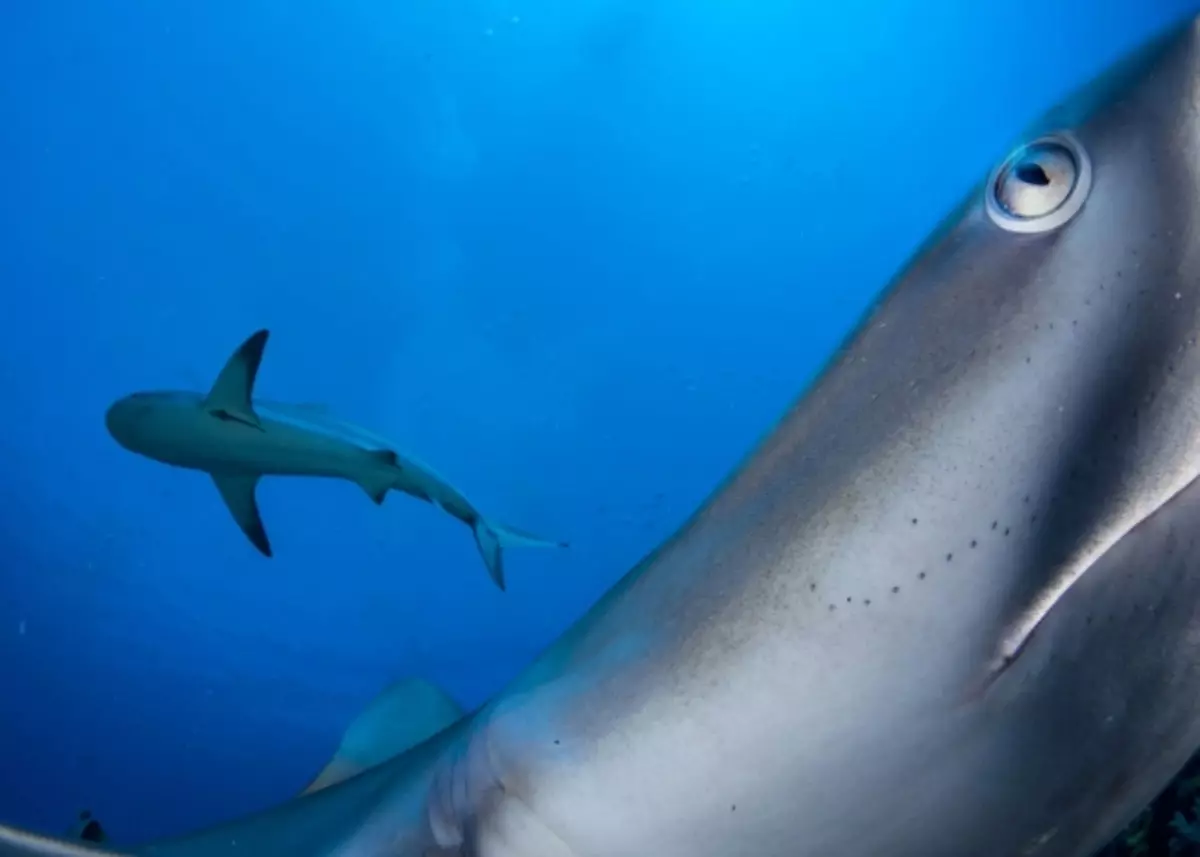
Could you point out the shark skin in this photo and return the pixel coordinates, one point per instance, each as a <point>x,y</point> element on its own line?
<point>238,439</point>
<point>949,605</point>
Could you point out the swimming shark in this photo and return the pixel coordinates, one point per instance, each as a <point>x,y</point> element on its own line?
<point>949,605</point>
<point>238,439</point>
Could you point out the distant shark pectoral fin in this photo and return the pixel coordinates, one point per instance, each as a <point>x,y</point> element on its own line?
<point>238,492</point>
<point>492,538</point>
<point>231,395</point>
<point>381,476</point>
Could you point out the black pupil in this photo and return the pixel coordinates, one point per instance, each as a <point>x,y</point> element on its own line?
<point>1032,174</point>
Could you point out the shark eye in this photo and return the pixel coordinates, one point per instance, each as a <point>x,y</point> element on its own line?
<point>1040,186</point>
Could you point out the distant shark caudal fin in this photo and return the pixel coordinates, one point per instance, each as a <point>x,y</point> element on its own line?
<point>379,480</point>
<point>230,396</point>
<point>492,538</point>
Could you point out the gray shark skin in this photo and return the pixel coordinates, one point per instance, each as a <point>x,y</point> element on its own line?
<point>238,439</point>
<point>949,606</point>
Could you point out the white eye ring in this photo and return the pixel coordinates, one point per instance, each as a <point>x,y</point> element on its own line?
<point>1040,186</point>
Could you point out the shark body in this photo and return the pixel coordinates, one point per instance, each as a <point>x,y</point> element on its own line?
<point>950,605</point>
<point>238,439</point>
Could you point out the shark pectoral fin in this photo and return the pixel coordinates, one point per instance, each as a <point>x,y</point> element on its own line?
<point>380,477</point>
<point>489,548</point>
<point>238,491</point>
<point>230,396</point>
<point>402,716</point>
<point>492,537</point>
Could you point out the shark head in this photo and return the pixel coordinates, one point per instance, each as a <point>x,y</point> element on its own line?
<point>1028,387</point>
<point>144,422</point>
<point>958,584</point>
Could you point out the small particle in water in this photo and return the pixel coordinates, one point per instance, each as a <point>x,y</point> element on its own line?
<point>21,628</point>
<point>516,19</point>
<point>489,32</point>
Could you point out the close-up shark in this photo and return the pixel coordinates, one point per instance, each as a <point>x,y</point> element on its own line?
<point>238,439</point>
<point>950,604</point>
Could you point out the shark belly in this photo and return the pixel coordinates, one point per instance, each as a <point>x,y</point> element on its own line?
<point>786,732</point>
<point>684,745</point>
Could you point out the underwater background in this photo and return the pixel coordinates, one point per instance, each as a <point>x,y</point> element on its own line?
<point>579,256</point>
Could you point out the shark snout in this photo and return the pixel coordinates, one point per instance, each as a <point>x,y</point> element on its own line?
<point>125,420</point>
<point>117,421</point>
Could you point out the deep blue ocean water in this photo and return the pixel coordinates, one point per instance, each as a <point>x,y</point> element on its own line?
<point>578,256</point>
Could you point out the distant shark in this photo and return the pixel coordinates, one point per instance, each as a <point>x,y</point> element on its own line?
<point>237,440</point>
<point>87,829</point>
<point>949,606</point>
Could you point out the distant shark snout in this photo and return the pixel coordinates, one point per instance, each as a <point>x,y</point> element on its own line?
<point>122,419</point>
<point>143,422</point>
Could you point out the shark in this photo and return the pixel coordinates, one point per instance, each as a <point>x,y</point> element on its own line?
<point>87,828</point>
<point>948,604</point>
<point>237,439</point>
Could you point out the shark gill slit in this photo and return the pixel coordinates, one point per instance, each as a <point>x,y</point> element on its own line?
<point>1015,640</point>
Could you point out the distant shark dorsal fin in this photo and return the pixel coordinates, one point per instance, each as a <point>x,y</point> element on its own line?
<point>87,829</point>
<point>238,490</point>
<point>232,392</point>
<point>15,842</point>
<point>403,715</point>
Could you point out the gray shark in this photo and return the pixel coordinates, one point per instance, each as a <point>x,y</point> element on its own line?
<point>238,439</point>
<point>950,605</point>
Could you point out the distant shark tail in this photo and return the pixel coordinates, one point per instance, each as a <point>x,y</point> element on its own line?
<point>492,538</point>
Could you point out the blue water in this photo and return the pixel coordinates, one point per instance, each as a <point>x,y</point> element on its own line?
<point>578,256</point>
